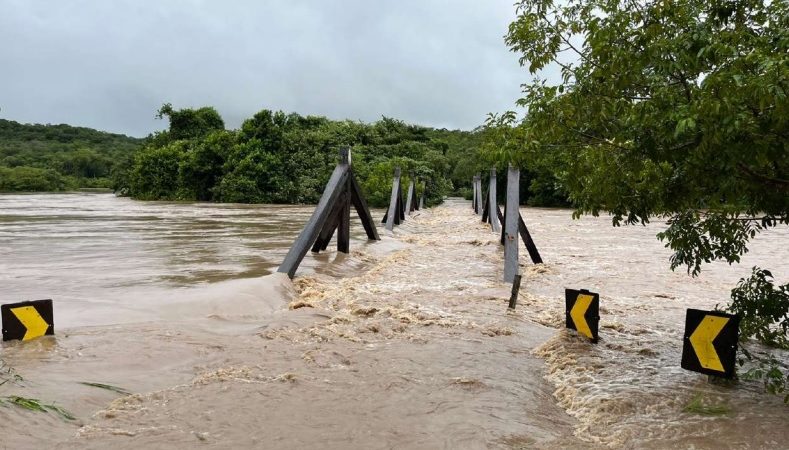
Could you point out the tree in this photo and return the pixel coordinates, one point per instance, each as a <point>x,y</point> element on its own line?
<point>670,108</point>
<point>190,123</point>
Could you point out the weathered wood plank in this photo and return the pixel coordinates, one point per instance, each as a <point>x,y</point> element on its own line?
<point>361,208</point>
<point>534,254</point>
<point>474,193</point>
<point>492,202</point>
<point>516,287</point>
<point>313,227</point>
<point>501,219</point>
<point>511,225</point>
<point>344,224</point>
<point>393,210</point>
<point>409,202</point>
<point>327,231</point>
<point>485,209</point>
<point>400,205</point>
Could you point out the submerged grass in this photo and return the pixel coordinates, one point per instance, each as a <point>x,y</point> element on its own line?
<point>108,387</point>
<point>33,404</point>
<point>697,405</point>
<point>8,375</point>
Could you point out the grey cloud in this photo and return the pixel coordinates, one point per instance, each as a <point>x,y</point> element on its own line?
<point>111,64</point>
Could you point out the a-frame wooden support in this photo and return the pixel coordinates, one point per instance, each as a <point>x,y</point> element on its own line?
<point>534,254</point>
<point>332,214</point>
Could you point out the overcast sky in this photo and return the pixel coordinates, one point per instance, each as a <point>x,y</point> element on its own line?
<point>110,64</point>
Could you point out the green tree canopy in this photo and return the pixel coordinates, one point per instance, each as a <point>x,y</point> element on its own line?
<point>664,108</point>
<point>684,102</point>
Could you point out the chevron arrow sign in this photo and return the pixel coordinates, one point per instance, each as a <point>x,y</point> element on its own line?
<point>582,312</point>
<point>27,320</point>
<point>710,343</point>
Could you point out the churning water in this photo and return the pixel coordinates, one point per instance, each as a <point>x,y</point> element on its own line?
<point>404,343</point>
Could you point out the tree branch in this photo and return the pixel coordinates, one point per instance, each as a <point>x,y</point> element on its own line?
<point>777,182</point>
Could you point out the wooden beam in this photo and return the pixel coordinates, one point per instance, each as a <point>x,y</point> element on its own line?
<point>511,225</point>
<point>400,205</point>
<point>392,211</point>
<point>534,254</point>
<point>492,202</point>
<point>327,231</point>
<point>501,219</point>
<point>475,195</point>
<point>409,199</point>
<point>415,206</point>
<point>344,224</point>
<point>516,286</point>
<point>313,227</point>
<point>479,195</point>
<point>485,209</point>
<point>361,208</point>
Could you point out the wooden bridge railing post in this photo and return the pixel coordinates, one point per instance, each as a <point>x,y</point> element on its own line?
<point>313,227</point>
<point>332,213</point>
<point>480,195</point>
<point>409,201</point>
<point>394,201</point>
<point>511,225</point>
<point>474,193</point>
<point>492,202</point>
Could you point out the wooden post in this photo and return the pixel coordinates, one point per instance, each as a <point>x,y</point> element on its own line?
<point>485,209</point>
<point>480,195</point>
<point>527,240</point>
<point>400,205</point>
<point>332,213</point>
<point>329,227</point>
<point>318,219</point>
<point>344,225</point>
<point>394,201</point>
<point>516,286</point>
<point>474,194</point>
<point>361,208</point>
<point>492,202</point>
<point>501,220</point>
<point>415,205</point>
<point>409,201</point>
<point>511,216</point>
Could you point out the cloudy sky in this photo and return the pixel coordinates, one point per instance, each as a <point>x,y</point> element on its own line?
<point>111,64</point>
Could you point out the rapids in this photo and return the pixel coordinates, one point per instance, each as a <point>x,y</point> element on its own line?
<point>404,343</point>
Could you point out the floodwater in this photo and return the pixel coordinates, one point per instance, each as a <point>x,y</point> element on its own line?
<point>404,343</point>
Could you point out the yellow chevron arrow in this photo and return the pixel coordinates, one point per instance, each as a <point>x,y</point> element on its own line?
<point>577,313</point>
<point>35,324</point>
<point>702,338</point>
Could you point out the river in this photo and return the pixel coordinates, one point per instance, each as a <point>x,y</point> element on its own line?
<point>404,343</point>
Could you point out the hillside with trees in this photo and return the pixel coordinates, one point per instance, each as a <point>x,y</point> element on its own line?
<point>59,157</point>
<point>287,158</point>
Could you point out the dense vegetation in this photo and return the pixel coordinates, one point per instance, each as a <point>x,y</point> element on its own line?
<point>59,157</point>
<point>287,158</point>
<point>273,158</point>
<point>669,109</point>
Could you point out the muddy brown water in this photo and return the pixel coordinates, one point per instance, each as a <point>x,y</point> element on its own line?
<point>404,343</point>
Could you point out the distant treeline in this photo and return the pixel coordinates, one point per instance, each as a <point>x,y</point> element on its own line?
<point>273,158</point>
<point>59,157</point>
<point>287,158</point>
